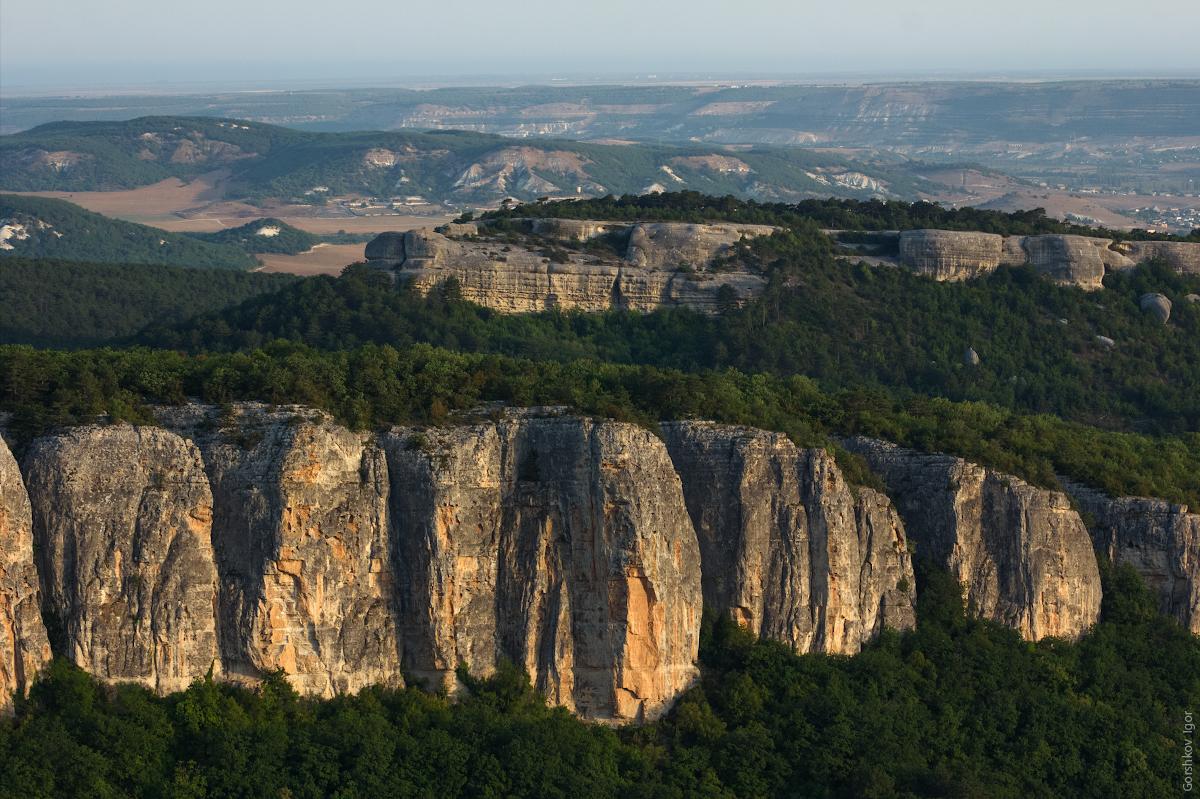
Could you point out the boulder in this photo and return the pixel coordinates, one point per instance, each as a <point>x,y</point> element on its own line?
<point>1156,305</point>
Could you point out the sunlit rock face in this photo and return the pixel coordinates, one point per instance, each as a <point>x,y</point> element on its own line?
<point>648,265</point>
<point>788,550</point>
<point>300,536</point>
<point>122,519</point>
<point>24,647</point>
<point>558,542</point>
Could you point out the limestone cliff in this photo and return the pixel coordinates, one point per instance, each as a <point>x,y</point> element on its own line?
<point>122,518</point>
<point>301,540</point>
<point>24,648</point>
<point>1080,261</point>
<point>658,264</point>
<point>559,543</point>
<point>1022,553</point>
<point>786,548</point>
<point>1160,539</point>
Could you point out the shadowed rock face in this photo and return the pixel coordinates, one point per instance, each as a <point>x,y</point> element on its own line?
<point>24,648</point>
<point>300,534</point>
<point>1161,540</point>
<point>122,518</point>
<point>787,550</point>
<point>1022,554</point>
<point>664,264</point>
<point>561,544</point>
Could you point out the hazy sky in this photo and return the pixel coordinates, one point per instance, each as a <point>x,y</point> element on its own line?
<point>143,42</point>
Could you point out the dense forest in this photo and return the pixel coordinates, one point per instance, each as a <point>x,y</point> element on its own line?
<point>957,708</point>
<point>63,230</point>
<point>831,213</point>
<point>845,326</point>
<point>379,385</point>
<point>54,303</point>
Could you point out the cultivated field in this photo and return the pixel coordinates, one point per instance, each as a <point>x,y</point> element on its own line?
<point>324,259</point>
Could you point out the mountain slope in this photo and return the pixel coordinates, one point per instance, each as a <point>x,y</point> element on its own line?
<point>446,166</point>
<point>39,227</point>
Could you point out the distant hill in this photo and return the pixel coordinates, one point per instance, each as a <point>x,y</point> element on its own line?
<point>53,303</point>
<point>263,236</point>
<point>454,167</point>
<point>38,227</point>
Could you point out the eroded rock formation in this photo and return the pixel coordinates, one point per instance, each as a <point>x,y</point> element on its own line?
<point>122,518</point>
<point>1022,553</point>
<point>654,265</point>
<point>1160,539</point>
<point>560,543</point>
<point>1080,261</point>
<point>301,540</point>
<point>24,648</point>
<point>787,549</point>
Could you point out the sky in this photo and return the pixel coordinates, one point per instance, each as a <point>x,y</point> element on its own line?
<point>146,43</point>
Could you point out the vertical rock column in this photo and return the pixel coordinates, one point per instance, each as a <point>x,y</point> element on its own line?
<point>122,517</point>
<point>1022,553</point>
<point>788,550</point>
<point>1160,539</point>
<point>301,539</point>
<point>559,543</point>
<point>24,648</point>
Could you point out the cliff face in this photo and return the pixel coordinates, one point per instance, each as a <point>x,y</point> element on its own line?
<point>1161,540</point>
<point>582,550</point>
<point>661,264</point>
<point>122,518</point>
<point>301,541</point>
<point>787,550</point>
<point>1022,554</point>
<point>559,543</point>
<point>24,648</point>
<point>1068,260</point>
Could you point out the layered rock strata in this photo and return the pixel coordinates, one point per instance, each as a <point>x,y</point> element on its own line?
<point>1080,261</point>
<point>24,647</point>
<point>1022,553</point>
<point>122,518</point>
<point>661,264</point>
<point>786,548</point>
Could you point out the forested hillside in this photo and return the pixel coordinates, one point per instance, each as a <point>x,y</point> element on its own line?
<point>39,227</point>
<point>451,166</point>
<point>53,303</point>
<point>957,708</point>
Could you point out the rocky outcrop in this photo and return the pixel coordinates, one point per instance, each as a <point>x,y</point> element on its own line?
<point>1156,305</point>
<point>301,539</point>
<point>122,518</point>
<point>1160,539</point>
<point>1022,553</point>
<point>1182,256</point>
<point>559,543</point>
<point>1071,260</point>
<point>1080,261</point>
<point>787,549</point>
<point>662,264</point>
<point>24,648</point>
<point>950,254</point>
